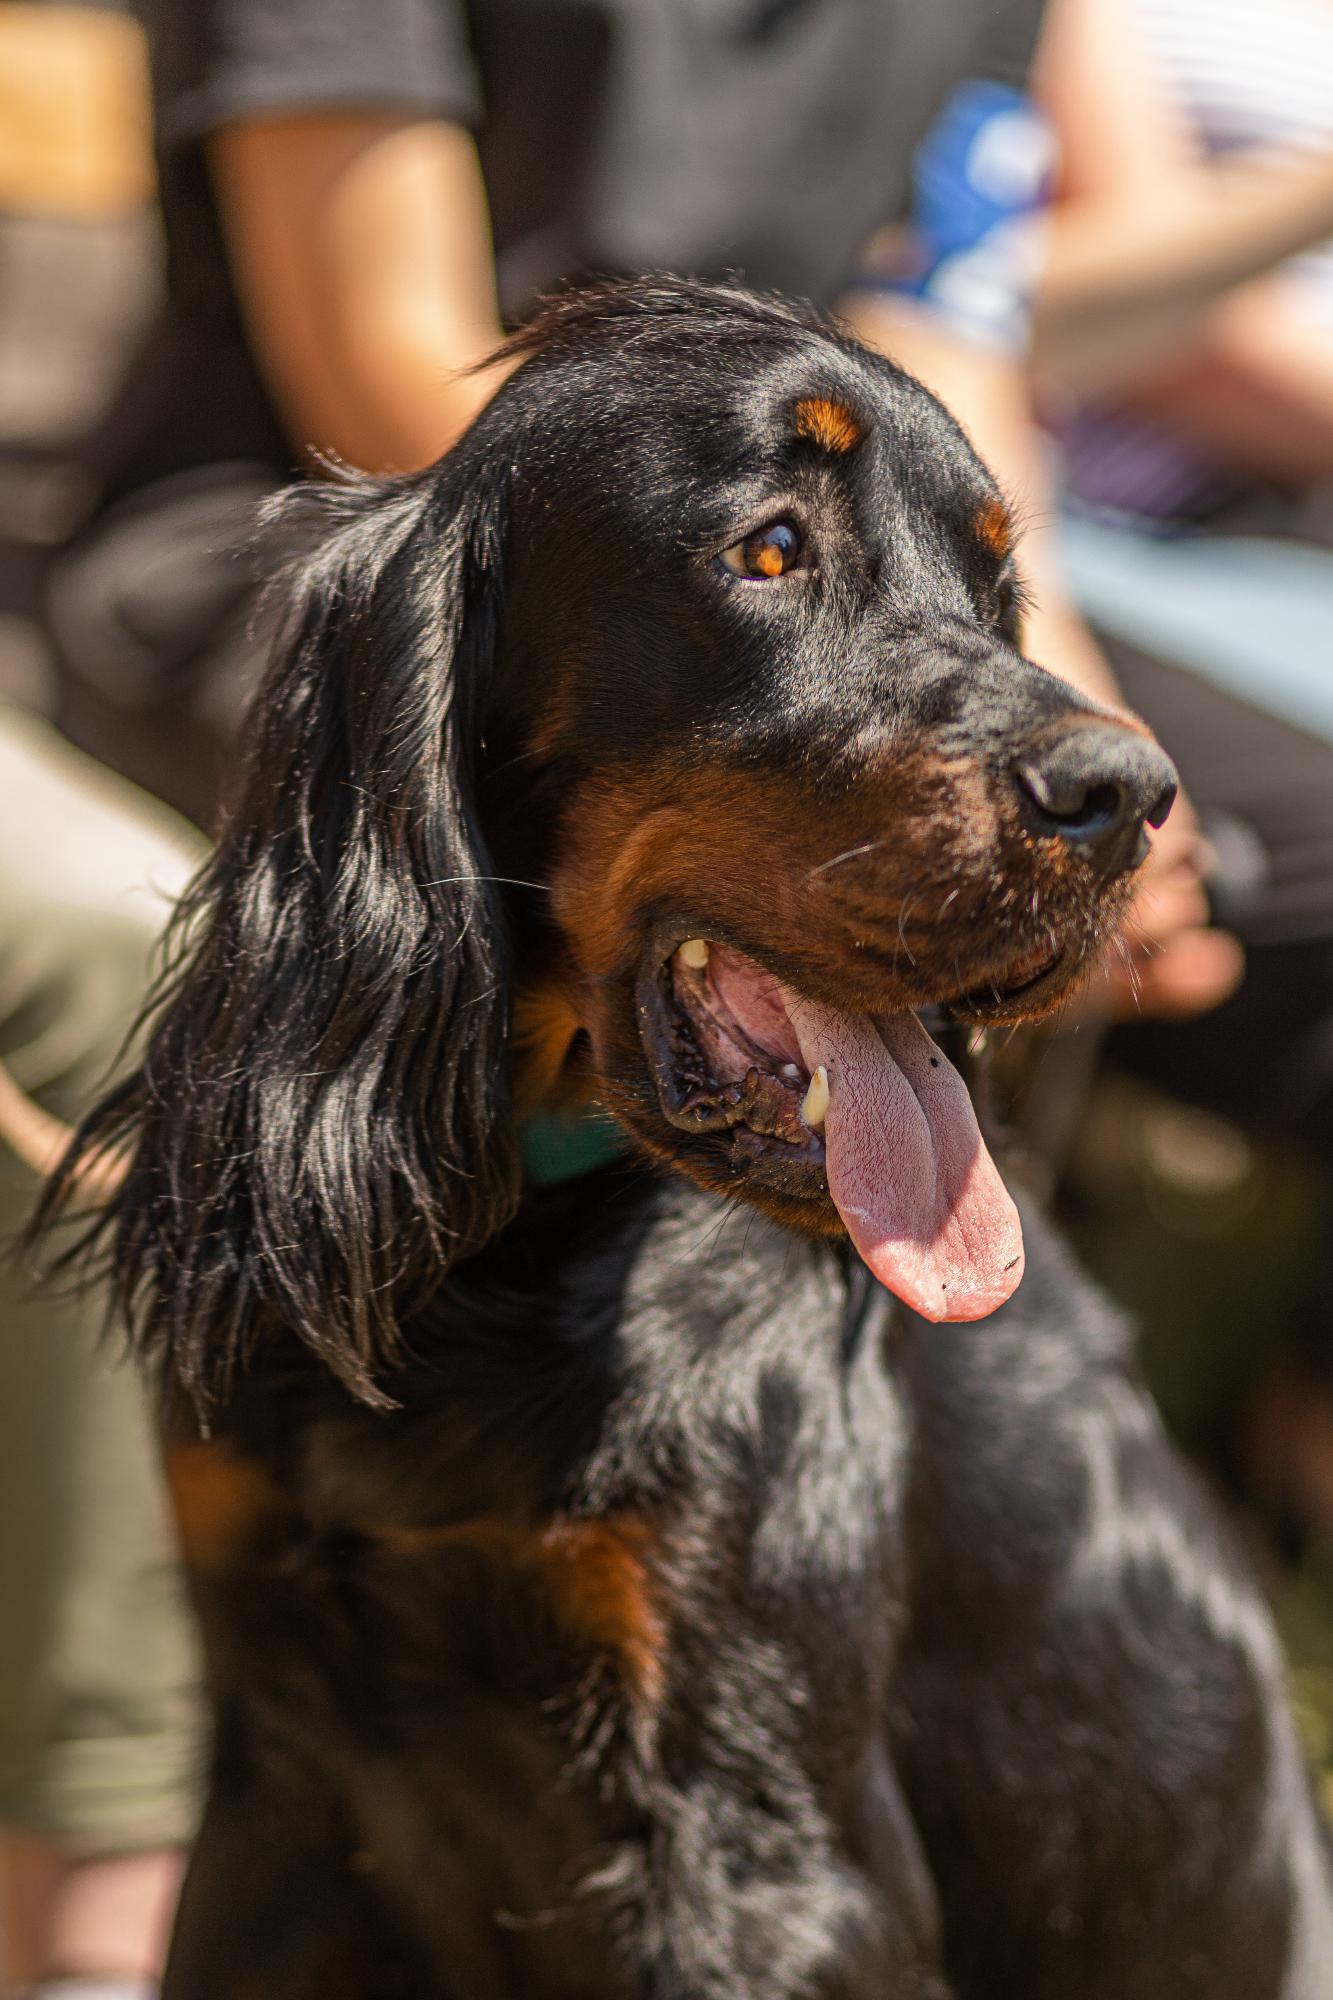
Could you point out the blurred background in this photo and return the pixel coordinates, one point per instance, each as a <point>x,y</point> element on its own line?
<point>80,276</point>
<point>1142,227</point>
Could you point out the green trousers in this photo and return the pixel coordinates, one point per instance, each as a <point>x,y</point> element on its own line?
<point>100,1720</point>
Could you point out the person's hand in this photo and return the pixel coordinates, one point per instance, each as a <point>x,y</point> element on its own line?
<point>1170,962</point>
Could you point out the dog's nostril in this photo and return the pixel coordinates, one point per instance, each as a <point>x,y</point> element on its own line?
<point>1162,804</point>
<point>1100,807</point>
<point>1077,809</point>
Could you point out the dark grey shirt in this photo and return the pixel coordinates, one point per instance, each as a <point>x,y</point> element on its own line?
<point>769,138</point>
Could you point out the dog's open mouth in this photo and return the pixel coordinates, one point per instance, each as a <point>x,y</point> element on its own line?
<point>865,1109</point>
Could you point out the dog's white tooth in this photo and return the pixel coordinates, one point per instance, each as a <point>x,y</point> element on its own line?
<point>694,953</point>
<point>792,1070</point>
<point>814,1105</point>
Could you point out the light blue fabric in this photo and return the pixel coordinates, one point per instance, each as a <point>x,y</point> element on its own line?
<point>979,176</point>
<point>1253,616</point>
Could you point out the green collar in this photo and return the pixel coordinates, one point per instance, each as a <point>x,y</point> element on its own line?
<point>559,1147</point>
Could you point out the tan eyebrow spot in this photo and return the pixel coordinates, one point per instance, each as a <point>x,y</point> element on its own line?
<point>993,528</point>
<point>827,423</point>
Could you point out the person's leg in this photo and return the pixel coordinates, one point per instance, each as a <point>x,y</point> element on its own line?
<point>99,1724</point>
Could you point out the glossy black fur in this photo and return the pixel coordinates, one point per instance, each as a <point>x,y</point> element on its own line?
<point>932,1676</point>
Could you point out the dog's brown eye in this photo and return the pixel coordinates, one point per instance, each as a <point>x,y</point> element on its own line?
<point>768,552</point>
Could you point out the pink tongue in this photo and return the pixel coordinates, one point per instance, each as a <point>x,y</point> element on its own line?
<point>907,1166</point>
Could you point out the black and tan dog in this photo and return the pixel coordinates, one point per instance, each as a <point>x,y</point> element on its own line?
<point>609,1588</point>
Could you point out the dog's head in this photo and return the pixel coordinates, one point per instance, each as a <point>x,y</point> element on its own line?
<point>667,745</point>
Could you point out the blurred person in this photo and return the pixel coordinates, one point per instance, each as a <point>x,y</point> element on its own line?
<point>100,1731</point>
<point>1186,323</point>
<point>1187,279</point>
<point>1185,335</point>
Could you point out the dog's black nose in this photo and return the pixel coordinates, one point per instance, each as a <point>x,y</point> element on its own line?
<point>1095,786</point>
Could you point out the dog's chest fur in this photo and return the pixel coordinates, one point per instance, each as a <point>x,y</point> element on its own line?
<point>639,1559</point>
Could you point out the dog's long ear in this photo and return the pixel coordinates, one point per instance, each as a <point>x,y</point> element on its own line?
<point>320,1124</point>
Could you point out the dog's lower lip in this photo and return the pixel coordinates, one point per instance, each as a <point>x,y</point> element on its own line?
<point>993,994</point>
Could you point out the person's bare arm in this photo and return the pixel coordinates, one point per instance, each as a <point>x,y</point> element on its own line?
<point>1174,964</point>
<point>1255,390</point>
<point>360,245</point>
<point>1148,235</point>
<point>39,1140</point>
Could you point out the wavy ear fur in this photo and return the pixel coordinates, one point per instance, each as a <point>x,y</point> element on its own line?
<point>320,1124</point>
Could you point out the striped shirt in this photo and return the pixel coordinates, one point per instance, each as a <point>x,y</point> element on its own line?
<point>1244,75</point>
